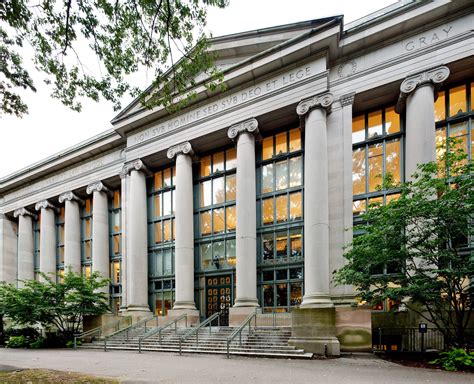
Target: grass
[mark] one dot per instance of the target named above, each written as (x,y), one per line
(34,376)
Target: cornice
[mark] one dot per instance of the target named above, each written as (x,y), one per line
(135,165)
(97,186)
(45,204)
(23,212)
(70,196)
(250,126)
(183,148)
(324,101)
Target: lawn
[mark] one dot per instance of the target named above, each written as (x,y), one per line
(34,376)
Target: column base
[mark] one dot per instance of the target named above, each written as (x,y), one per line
(237,315)
(192,318)
(137,311)
(246,302)
(317,300)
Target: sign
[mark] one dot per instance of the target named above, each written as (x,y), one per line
(422,328)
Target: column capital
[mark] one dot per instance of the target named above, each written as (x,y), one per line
(23,212)
(70,196)
(250,126)
(97,186)
(46,204)
(135,165)
(182,148)
(432,76)
(323,100)
(347,99)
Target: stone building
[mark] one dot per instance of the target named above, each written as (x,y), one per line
(243,199)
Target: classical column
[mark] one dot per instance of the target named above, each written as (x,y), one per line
(137,242)
(246,231)
(26,251)
(316,202)
(184,232)
(123,238)
(47,237)
(100,230)
(8,250)
(72,231)
(418,93)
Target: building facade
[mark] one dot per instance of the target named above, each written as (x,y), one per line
(245,199)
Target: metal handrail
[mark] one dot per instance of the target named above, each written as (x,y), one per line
(160,329)
(129,328)
(239,330)
(99,330)
(196,329)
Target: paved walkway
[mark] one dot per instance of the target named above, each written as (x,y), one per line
(192,368)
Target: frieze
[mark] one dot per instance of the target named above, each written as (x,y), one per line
(183,148)
(250,126)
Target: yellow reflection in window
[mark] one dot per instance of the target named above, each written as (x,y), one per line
(472,96)
(295,140)
(206,166)
(457,100)
(295,206)
(61,276)
(267,211)
(116,272)
(460,133)
(230,159)
(281,208)
(392,197)
(218,218)
(375,166)
(267,148)
(88,206)
(116,199)
(116,245)
(88,227)
(157,180)
(61,255)
(157,205)
(158,235)
(375,124)
(440,107)
(392,159)
(358,129)
(218,162)
(358,207)
(87,271)
(440,149)
(230,187)
(392,121)
(376,201)
(88,250)
(358,171)
(230,218)
(281,145)
(206,223)
(295,243)
(167,235)
(61,234)
(61,214)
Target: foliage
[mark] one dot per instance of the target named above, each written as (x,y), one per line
(37,343)
(125,37)
(23,331)
(18,342)
(455,359)
(70,343)
(421,239)
(60,305)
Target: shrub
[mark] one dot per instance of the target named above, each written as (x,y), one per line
(23,331)
(18,342)
(456,358)
(37,343)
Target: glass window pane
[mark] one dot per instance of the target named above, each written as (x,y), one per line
(218,215)
(295,140)
(61,234)
(358,207)
(230,187)
(282,295)
(375,166)
(206,223)
(173,171)
(267,211)
(296,273)
(218,162)
(268,295)
(392,159)
(158,235)
(167,236)
(231,218)
(296,206)
(267,247)
(206,166)
(281,171)
(281,245)
(88,251)
(231,252)
(392,197)
(116,221)
(358,171)
(116,199)
(157,205)
(358,129)
(440,107)
(267,148)
(206,193)
(460,133)
(296,169)
(116,240)
(295,294)
(61,255)
(88,207)
(376,201)
(218,192)
(267,275)
(457,100)
(206,255)
(296,243)
(88,228)
(167,177)
(472,96)
(167,262)
(281,143)
(173,203)
(281,274)
(218,252)
(281,208)
(440,143)
(392,121)
(375,124)
(167,302)
(230,159)
(157,181)
(158,264)
(167,203)
(116,272)
(267,178)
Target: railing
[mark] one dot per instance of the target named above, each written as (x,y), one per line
(274,319)
(130,328)
(238,331)
(160,329)
(99,331)
(196,329)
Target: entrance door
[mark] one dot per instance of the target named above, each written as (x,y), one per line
(219,296)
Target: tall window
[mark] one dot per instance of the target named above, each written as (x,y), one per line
(115,251)
(36,239)
(377,154)
(60,243)
(86,237)
(280,222)
(161,206)
(454,112)
(215,192)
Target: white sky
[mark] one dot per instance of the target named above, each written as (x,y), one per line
(51,127)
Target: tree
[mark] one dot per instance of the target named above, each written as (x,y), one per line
(62,305)
(125,36)
(421,240)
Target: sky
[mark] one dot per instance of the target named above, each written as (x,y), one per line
(51,127)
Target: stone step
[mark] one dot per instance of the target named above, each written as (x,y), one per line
(200,345)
